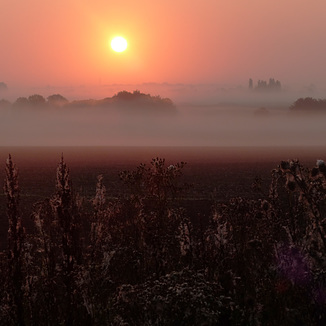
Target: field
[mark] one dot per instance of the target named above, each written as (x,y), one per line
(216,172)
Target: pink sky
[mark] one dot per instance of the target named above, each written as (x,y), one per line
(66,42)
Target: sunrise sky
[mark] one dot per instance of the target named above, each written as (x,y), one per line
(67,42)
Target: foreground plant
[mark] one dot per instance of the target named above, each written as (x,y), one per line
(138,259)
(15,277)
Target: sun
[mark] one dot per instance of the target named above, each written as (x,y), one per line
(119,44)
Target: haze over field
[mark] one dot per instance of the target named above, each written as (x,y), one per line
(188,126)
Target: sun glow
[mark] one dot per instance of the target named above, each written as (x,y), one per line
(119,44)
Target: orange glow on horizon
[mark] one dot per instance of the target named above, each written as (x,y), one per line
(173,42)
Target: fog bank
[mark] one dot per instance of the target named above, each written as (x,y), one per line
(188,126)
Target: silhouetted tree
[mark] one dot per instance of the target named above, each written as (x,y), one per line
(140,100)
(57,100)
(21,102)
(309,104)
(36,100)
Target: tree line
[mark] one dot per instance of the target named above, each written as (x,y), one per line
(309,104)
(123,98)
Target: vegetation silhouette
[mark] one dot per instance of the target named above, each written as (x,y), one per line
(56,100)
(308,104)
(139,260)
(124,101)
(36,100)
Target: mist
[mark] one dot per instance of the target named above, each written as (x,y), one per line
(188,125)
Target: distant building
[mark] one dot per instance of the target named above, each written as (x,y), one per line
(251,83)
(262,85)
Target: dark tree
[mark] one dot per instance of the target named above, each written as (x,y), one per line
(21,102)
(57,100)
(308,104)
(36,100)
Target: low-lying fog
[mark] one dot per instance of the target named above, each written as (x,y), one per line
(188,126)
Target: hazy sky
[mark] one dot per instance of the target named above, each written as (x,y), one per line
(66,42)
